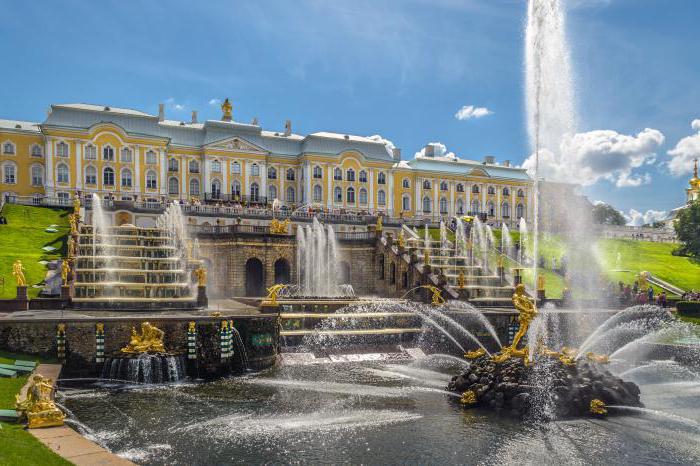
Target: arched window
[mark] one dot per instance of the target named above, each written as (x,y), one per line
(37,175)
(151,157)
(235,189)
(338,174)
(318,194)
(475,207)
(406,183)
(107,153)
(216,166)
(350,174)
(491,209)
(254,192)
(426,204)
(108,176)
(271,173)
(426,184)
(62,173)
(194,166)
(363,196)
(255,170)
(381,178)
(173,165)
(90,175)
(475,189)
(338,194)
(236,168)
(8,148)
(520,211)
(443,186)
(126,178)
(63,151)
(194,187)
(350,197)
(443,205)
(460,206)
(271,193)
(215,189)
(406,203)
(290,194)
(10,173)
(126,155)
(290,174)
(363,176)
(151,180)
(505,210)
(506,191)
(318,172)
(460,188)
(381,197)
(90,152)
(521,193)
(36,151)
(491,190)
(173,186)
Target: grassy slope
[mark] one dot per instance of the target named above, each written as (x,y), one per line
(17,446)
(23,237)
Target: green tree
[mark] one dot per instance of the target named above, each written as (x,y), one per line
(688,230)
(605,214)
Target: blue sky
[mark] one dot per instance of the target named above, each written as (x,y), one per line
(399,68)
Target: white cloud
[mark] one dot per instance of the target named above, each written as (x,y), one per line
(686,150)
(172,103)
(586,158)
(637,219)
(376,137)
(214,101)
(468,112)
(179,107)
(439,149)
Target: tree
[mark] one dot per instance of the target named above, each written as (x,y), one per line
(605,214)
(688,230)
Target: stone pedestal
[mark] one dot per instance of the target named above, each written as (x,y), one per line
(541,295)
(202,300)
(22,293)
(65,292)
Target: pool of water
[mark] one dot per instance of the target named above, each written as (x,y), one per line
(368,413)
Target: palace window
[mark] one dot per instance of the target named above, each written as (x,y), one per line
(491,190)
(216,189)
(194,166)
(254,192)
(36,151)
(8,148)
(90,175)
(255,170)
(520,211)
(37,175)
(236,168)
(363,196)
(290,194)
(290,175)
(90,152)
(460,207)
(173,186)
(350,195)
(338,174)
(108,176)
(271,173)
(350,174)
(406,183)
(521,193)
(62,149)
(9,173)
(194,187)
(174,165)
(460,188)
(363,176)
(406,203)
(443,186)
(318,172)
(475,207)
(443,205)
(381,197)
(271,193)
(506,192)
(126,178)
(338,195)
(215,166)
(426,204)
(318,194)
(64,197)
(126,155)
(151,180)
(381,178)
(108,154)
(62,173)
(236,189)
(151,157)
(505,210)
(491,209)
(426,184)
(475,189)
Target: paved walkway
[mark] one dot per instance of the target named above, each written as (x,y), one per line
(68,443)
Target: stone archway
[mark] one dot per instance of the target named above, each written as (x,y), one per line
(254,277)
(283,272)
(122,218)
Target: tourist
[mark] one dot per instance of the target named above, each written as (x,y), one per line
(650,295)
(662,299)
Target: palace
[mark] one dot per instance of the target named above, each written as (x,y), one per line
(131,155)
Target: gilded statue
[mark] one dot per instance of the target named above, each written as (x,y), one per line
(18,272)
(76,205)
(468,397)
(73,220)
(149,341)
(71,247)
(65,270)
(460,280)
(38,405)
(475,354)
(526,313)
(278,227)
(598,407)
(436,299)
(191,326)
(379,225)
(201,274)
(100,328)
(226,109)
(540,282)
(273,292)
(401,239)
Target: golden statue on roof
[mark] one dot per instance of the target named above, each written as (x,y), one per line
(227,110)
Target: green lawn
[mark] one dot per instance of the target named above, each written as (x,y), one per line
(23,237)
(17,446)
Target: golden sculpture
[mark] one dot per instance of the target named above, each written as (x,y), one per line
(401,239)
(65,270)
(73,220)
(475,354)
(18,272)
(216,314)
(436,298)
(201,274)
(278,227)
(272,293)
(540,282)
(191,326)
(100,328)
(38,405)
(379,225)
(598,407)
(149,341)
(527,312)
(460,280)
(599,358)
(71,247)
(468,397)
(501,261)
(76,205)
(226,108)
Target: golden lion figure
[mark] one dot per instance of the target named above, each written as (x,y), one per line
(18,272)
(149,341)
(38,405)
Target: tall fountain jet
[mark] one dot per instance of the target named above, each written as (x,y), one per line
(317,268)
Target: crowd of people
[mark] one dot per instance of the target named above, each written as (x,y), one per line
(691,295)
(636,294)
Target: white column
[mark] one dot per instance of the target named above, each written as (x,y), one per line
(452,207)
(78,165)
(163,173)
(137,170)
(205,173)
(225,167)
(307,182)
(498,204)
(436,197)
(49,167)
(371,189)
(263,180)
(185,166)
(417,204)
(329,178)
(246,184)
(282,175)
(483,192)
(390,195)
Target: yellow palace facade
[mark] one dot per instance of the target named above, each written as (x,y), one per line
(131,155)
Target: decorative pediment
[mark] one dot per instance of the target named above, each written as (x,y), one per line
(236,144)
(478,172)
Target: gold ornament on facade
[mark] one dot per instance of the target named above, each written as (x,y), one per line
(149,341)
(278,227)
(201,274)
(38,405)
(191,326)
(18,272)
(598,407)
(100,328)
